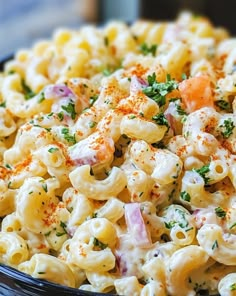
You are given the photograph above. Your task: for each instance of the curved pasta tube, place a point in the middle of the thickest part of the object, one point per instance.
(178, 220)
(181, 263)
(153, 289)
(217, 244)
(36, 202)
(7, 124)
(139, 185)
(227, 284)
(7, 199)
(15, 101)
(37, 68)
(101, 281)
(47, 267)
(195, 129)
(163, 165)
(98, 189)
(84, 240)
(168, 166)
(113, 210)
(193, 185)
(13, 248)
(128, 286)
(218, 170)
(139, 128)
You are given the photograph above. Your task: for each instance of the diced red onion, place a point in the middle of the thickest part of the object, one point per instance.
(136, 225)
(57, 91)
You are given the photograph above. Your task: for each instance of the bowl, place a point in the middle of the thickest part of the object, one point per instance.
(16, 283)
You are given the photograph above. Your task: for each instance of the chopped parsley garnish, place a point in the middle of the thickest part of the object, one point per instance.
(224, 105)
(41, 97)
(70, 109)
(92, 124)
(60, 116)
(8, 166)
(41, 272)
(69, 138)
(227, 128)
(92, 100)
(106, 72)
(203, 171)
(3, 104)
(63, 226)
(106, 41)
(185, 196)
(145, 49)
(45, 187)
(233, 225)
(160, 119)
(52, 149)
(158, 90)
(232, 287)
(27, 90)
(99, 244)
(179, 110)
(184, 76)
(215, 245)
(170, 224)
(221, 213)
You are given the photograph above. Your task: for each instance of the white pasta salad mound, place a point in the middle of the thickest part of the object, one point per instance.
(118, 158)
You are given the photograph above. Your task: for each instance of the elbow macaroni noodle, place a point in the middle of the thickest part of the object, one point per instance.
(118, 158)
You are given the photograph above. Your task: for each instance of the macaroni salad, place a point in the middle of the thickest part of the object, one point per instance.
(118, 158)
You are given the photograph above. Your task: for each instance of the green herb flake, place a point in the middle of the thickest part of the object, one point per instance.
(3, 104)
(106, 72)
(99, 244)
(45, 187)
(69, 138)
(180, 111)
(8, 166)
(221, 213)
(227, 128)
(41, 97)
(94, 215)
(53, 149)
(160, 119)
(215, 245)
(70, 109)
(224, 105)
(232, 287)
(10, 72)
(145, 49)
(170, 224)
(92, 100)
(185, 196)
(92, 124)
(106, 41)
(28, 93)
(157, 91)
(232, 226)
(184, 76)
(41, 272)
(132, 116)
(203, 171)
(60, 116)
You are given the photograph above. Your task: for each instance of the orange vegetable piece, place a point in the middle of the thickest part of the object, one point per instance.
(196, 93)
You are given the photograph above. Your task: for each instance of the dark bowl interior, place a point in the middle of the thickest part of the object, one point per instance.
(16, 283)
